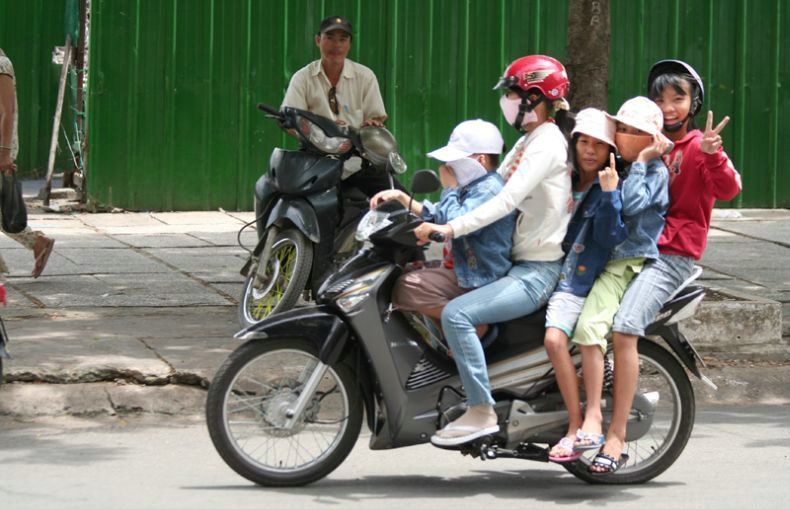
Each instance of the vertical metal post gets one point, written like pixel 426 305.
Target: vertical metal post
pixel 64 71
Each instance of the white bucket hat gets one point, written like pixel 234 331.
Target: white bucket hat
pixel 470 137
pixel 641 113
pixel 595 123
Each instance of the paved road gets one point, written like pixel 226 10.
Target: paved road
pixel 737 456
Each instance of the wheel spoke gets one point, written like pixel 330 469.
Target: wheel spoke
pixel 257 399
pixel 282 263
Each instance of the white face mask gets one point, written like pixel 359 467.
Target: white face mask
pixel 467 170
pixel 510 111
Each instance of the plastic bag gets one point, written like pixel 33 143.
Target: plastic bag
pixel 12 205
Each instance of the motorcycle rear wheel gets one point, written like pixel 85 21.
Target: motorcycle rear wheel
pixel 649 455
pixel 249 398
pixel 289 268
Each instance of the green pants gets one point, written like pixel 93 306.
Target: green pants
pixel 602 303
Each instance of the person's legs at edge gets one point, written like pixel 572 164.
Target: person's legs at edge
pixel 641 302
pixel 35 241
pixel 522 291
pixel 40 244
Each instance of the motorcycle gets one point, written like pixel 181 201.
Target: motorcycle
pixel 305 216
pixel 286 407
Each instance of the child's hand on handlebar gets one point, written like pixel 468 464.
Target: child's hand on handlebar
pixel 424 231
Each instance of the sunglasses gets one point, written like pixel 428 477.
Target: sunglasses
pixel 333 104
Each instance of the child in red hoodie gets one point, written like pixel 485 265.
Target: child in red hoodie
pixel 699 174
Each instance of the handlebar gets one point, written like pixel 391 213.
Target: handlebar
pixel 268 109
pixel 437 237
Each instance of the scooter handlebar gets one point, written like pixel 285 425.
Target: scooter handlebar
pixel 268 109
pixel 437 237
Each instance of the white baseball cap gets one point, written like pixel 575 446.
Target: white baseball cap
pixel 641 113
pixel 470 137
pixel 596 123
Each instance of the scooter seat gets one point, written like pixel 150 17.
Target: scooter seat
pixel 518 336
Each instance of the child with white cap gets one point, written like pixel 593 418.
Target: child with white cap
pixel 467 175
pixel 645 198
pixel 595 229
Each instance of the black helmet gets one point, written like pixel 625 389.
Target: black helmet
pixel 679 67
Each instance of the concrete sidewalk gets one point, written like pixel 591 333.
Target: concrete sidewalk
pixel 136 311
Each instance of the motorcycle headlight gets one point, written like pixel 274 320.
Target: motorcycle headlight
pixel 377 144
pixel 318 138
pixel 370 223
pixel 359 290
pixel 397 163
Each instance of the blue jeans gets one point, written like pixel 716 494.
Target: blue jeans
pixel 522 291
pixel 648 293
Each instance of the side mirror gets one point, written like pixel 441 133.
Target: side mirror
pixel 424 182
pixel 396 164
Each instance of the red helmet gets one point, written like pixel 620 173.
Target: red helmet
pixel 536 71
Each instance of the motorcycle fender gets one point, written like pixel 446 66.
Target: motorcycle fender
pixel 299 212
pixel 318 324
pixel 681 348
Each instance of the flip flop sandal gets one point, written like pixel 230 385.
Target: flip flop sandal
pixel 594 441
pixel 607 463
pixel 468 433
pixel 567 444
pixel 43 257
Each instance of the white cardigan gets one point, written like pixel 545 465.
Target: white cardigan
pixel 539 187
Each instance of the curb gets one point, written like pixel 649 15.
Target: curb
pixel 737 325
pixel 739 383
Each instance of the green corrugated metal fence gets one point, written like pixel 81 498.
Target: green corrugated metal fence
pixel 173 83
pixel 29 30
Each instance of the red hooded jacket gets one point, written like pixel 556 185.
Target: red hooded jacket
pixel 696 181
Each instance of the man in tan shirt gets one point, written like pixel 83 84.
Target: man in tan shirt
pixel 343 90
pixel 9 147
pixel 335 86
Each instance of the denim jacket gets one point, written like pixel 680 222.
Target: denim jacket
pixel 645 202
pixel 481 257
pixel 595 229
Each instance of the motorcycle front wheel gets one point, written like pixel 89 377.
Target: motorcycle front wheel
pixel 285 278
pixel 250 399
pixel 666 397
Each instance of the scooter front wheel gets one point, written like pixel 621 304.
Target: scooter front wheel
pixel 283 281
pixel 252 412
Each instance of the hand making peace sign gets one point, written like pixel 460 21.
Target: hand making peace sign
pixel 711 140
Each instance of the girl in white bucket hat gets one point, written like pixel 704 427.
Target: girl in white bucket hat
pixel 595 229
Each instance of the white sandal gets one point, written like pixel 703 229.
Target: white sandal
pixel 466 434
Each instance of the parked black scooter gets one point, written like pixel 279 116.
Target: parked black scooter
pixel 306 217
pixel 286 407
